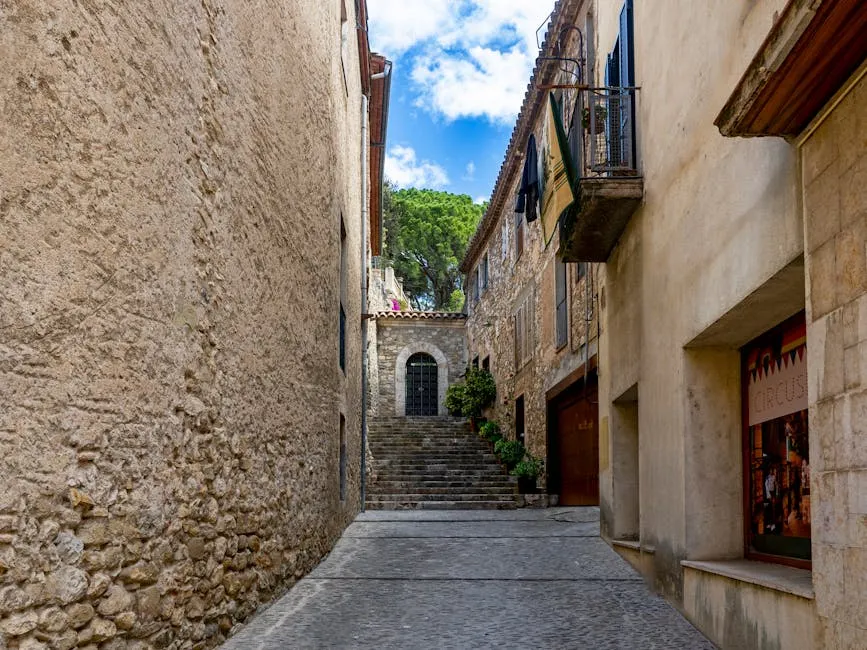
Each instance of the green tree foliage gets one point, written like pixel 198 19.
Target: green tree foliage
pixel 470 397
pixel 426 235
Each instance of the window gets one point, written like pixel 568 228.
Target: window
pixel 474 284
pixel 519 418
pixel 343 282
pixel 476 362
pixel 620 72
pixel 776 450
pixel 519 235
pixel 523 320
pixel 504 240
pixel 580 272
pixel 486 364
pixel 342 460
pixel 561 335
pixel 483 275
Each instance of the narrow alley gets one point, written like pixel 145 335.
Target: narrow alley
pixel 532 578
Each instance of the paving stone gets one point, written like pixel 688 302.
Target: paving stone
pixel 516 579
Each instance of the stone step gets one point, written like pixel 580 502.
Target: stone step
pixel 391 434
pixel 377 489
pixel 434 467
pixel 499 481
pixel 411 429
pixel 461 496
pixel 438 474
pixel 421 453
pixel 435 463
pixel 443 456
pixel 441 505
pixel 428 441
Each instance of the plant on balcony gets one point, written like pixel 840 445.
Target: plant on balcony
pixel 510 452
pixel 527 471
pixel 601 115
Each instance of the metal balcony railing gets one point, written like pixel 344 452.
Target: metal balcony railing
pixel 608 132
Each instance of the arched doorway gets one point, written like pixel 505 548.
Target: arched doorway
pixel 421 385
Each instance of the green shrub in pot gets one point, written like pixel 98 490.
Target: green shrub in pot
pixel 510 452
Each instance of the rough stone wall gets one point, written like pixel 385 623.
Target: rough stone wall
pixel 384 287
pixel 834 175
pixel 398 334
pixel 491 330
pixel 172 177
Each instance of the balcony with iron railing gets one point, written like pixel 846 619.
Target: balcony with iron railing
pixel 609 187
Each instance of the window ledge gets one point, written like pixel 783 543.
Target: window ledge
pixel 798 582
pixel 633 545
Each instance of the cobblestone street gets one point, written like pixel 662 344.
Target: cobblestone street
pixel 462 579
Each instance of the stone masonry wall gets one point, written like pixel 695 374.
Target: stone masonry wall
pixel 397 334
pixel 834 173
pixel 490 325
pixel 172 174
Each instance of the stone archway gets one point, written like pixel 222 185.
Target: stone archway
pixel 400 376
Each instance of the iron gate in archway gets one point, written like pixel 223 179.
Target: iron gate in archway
pixel 421 385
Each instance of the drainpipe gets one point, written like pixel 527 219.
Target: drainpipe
pixel 365 214
pixel 588 278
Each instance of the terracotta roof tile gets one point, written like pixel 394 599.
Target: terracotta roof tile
pixel 419 315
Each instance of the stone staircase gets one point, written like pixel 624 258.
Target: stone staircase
pixel 434 463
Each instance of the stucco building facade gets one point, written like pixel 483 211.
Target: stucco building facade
pixel 729 276
pixel 184 230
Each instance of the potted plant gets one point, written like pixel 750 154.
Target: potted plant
pixel 527 471
pixel 470 397
pixel 600 114
pixel 455 399
pixel 510 452
pixel 490 431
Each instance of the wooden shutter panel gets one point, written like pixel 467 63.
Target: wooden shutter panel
pixel 626 73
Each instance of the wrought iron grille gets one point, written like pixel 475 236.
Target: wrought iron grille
pixel 608 121
pixel 421 385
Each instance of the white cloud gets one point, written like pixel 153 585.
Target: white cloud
pixel 482 83
pixel 398 25
pixel 480 199
pixel 404 170
pixel 467 58
pixel 471 171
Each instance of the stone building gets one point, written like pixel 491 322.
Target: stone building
pixel 418 355
pixel 533 318
pixel 184 231
pixel 730 294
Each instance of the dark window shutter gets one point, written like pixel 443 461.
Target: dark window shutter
pixel 612 68
pixel 626 75
pixel 626 56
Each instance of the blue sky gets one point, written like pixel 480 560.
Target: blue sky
pixel 460 71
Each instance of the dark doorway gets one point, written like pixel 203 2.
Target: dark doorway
pixel 574 444
pixel 421 385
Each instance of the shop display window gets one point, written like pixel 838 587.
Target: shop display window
pixel 776 450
